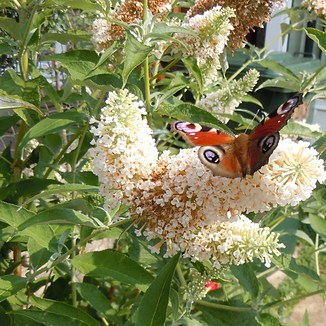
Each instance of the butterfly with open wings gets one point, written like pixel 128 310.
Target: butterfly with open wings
pixel 234 157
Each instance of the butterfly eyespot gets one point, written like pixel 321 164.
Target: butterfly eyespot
pixel 212 156
pixel 268 143
pixel 286 107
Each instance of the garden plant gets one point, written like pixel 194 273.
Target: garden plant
pixel 107 216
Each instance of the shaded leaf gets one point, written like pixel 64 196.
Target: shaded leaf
pixel 62 188
pixel 57 216
pixel 278 67
pixel 108 264
pixel 95 298
pixel 13 215
pixel 318 224
pixel 153 306
pixel 136 53
pixel 192 66
pixel 52 124
pixel 192 113
pixel 269 320
pixel 56 313
pixel 247 278
pixel 7 122
pixel 10 285
pixel 10 26
pixel 228 318
pixel 79 63
pixel 318 36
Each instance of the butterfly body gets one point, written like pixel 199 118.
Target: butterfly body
pixel 244 154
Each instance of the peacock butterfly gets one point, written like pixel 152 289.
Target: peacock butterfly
pixel 234 157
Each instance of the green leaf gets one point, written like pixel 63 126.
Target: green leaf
pixel 320 144
pixel 228 318
pixel 251 99
pixel 153 306
pixel 247 278
pixel 135 54
pixel 13 215
pixel 318 36
pixel 7 122
pixel 29 186
pixel 192 66
pixel 38 255
pixel 76 4
pixel 79 63
pixel 299 130
pixel 106 54
pixel 280 82
pixel 107 264
pixel 64 38
pixel 95 298
pixel 278 67
pixel 304 236
pixel 105 81
pixel 10 285
pixel 11 102
pixel 52 124
pixel 318 224
pixel 268 320
pixel 10 26
pixel 42 234
pixel 19 95
pixel 163 28
pixel 303 275
pixel 54 313
pixel 192 113
pixel 57 216
pixel 62 188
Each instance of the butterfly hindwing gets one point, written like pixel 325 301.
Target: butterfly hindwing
pixel 221 160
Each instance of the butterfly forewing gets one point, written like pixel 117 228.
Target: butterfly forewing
pixel 198 135
pixel 278 118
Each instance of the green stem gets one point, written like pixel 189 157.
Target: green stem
pixel 222 306
pixel 317 254
pixel 267 272
pixel 74 278
pixel 23 51
pixel 75 158
pixel 60 259
pixel 259 53
pixel 62 152
pixel 147 86
pixel 16 4
pixel 166 68
pixel 278 221
pixel 180 275
pixel 298 298
pixel 146 66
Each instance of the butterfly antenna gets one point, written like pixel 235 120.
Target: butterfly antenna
pixel 253 118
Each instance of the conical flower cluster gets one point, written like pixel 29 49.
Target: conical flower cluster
pixel 176 201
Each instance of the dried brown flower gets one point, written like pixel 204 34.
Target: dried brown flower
pixel 127 12
pixel 248 15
